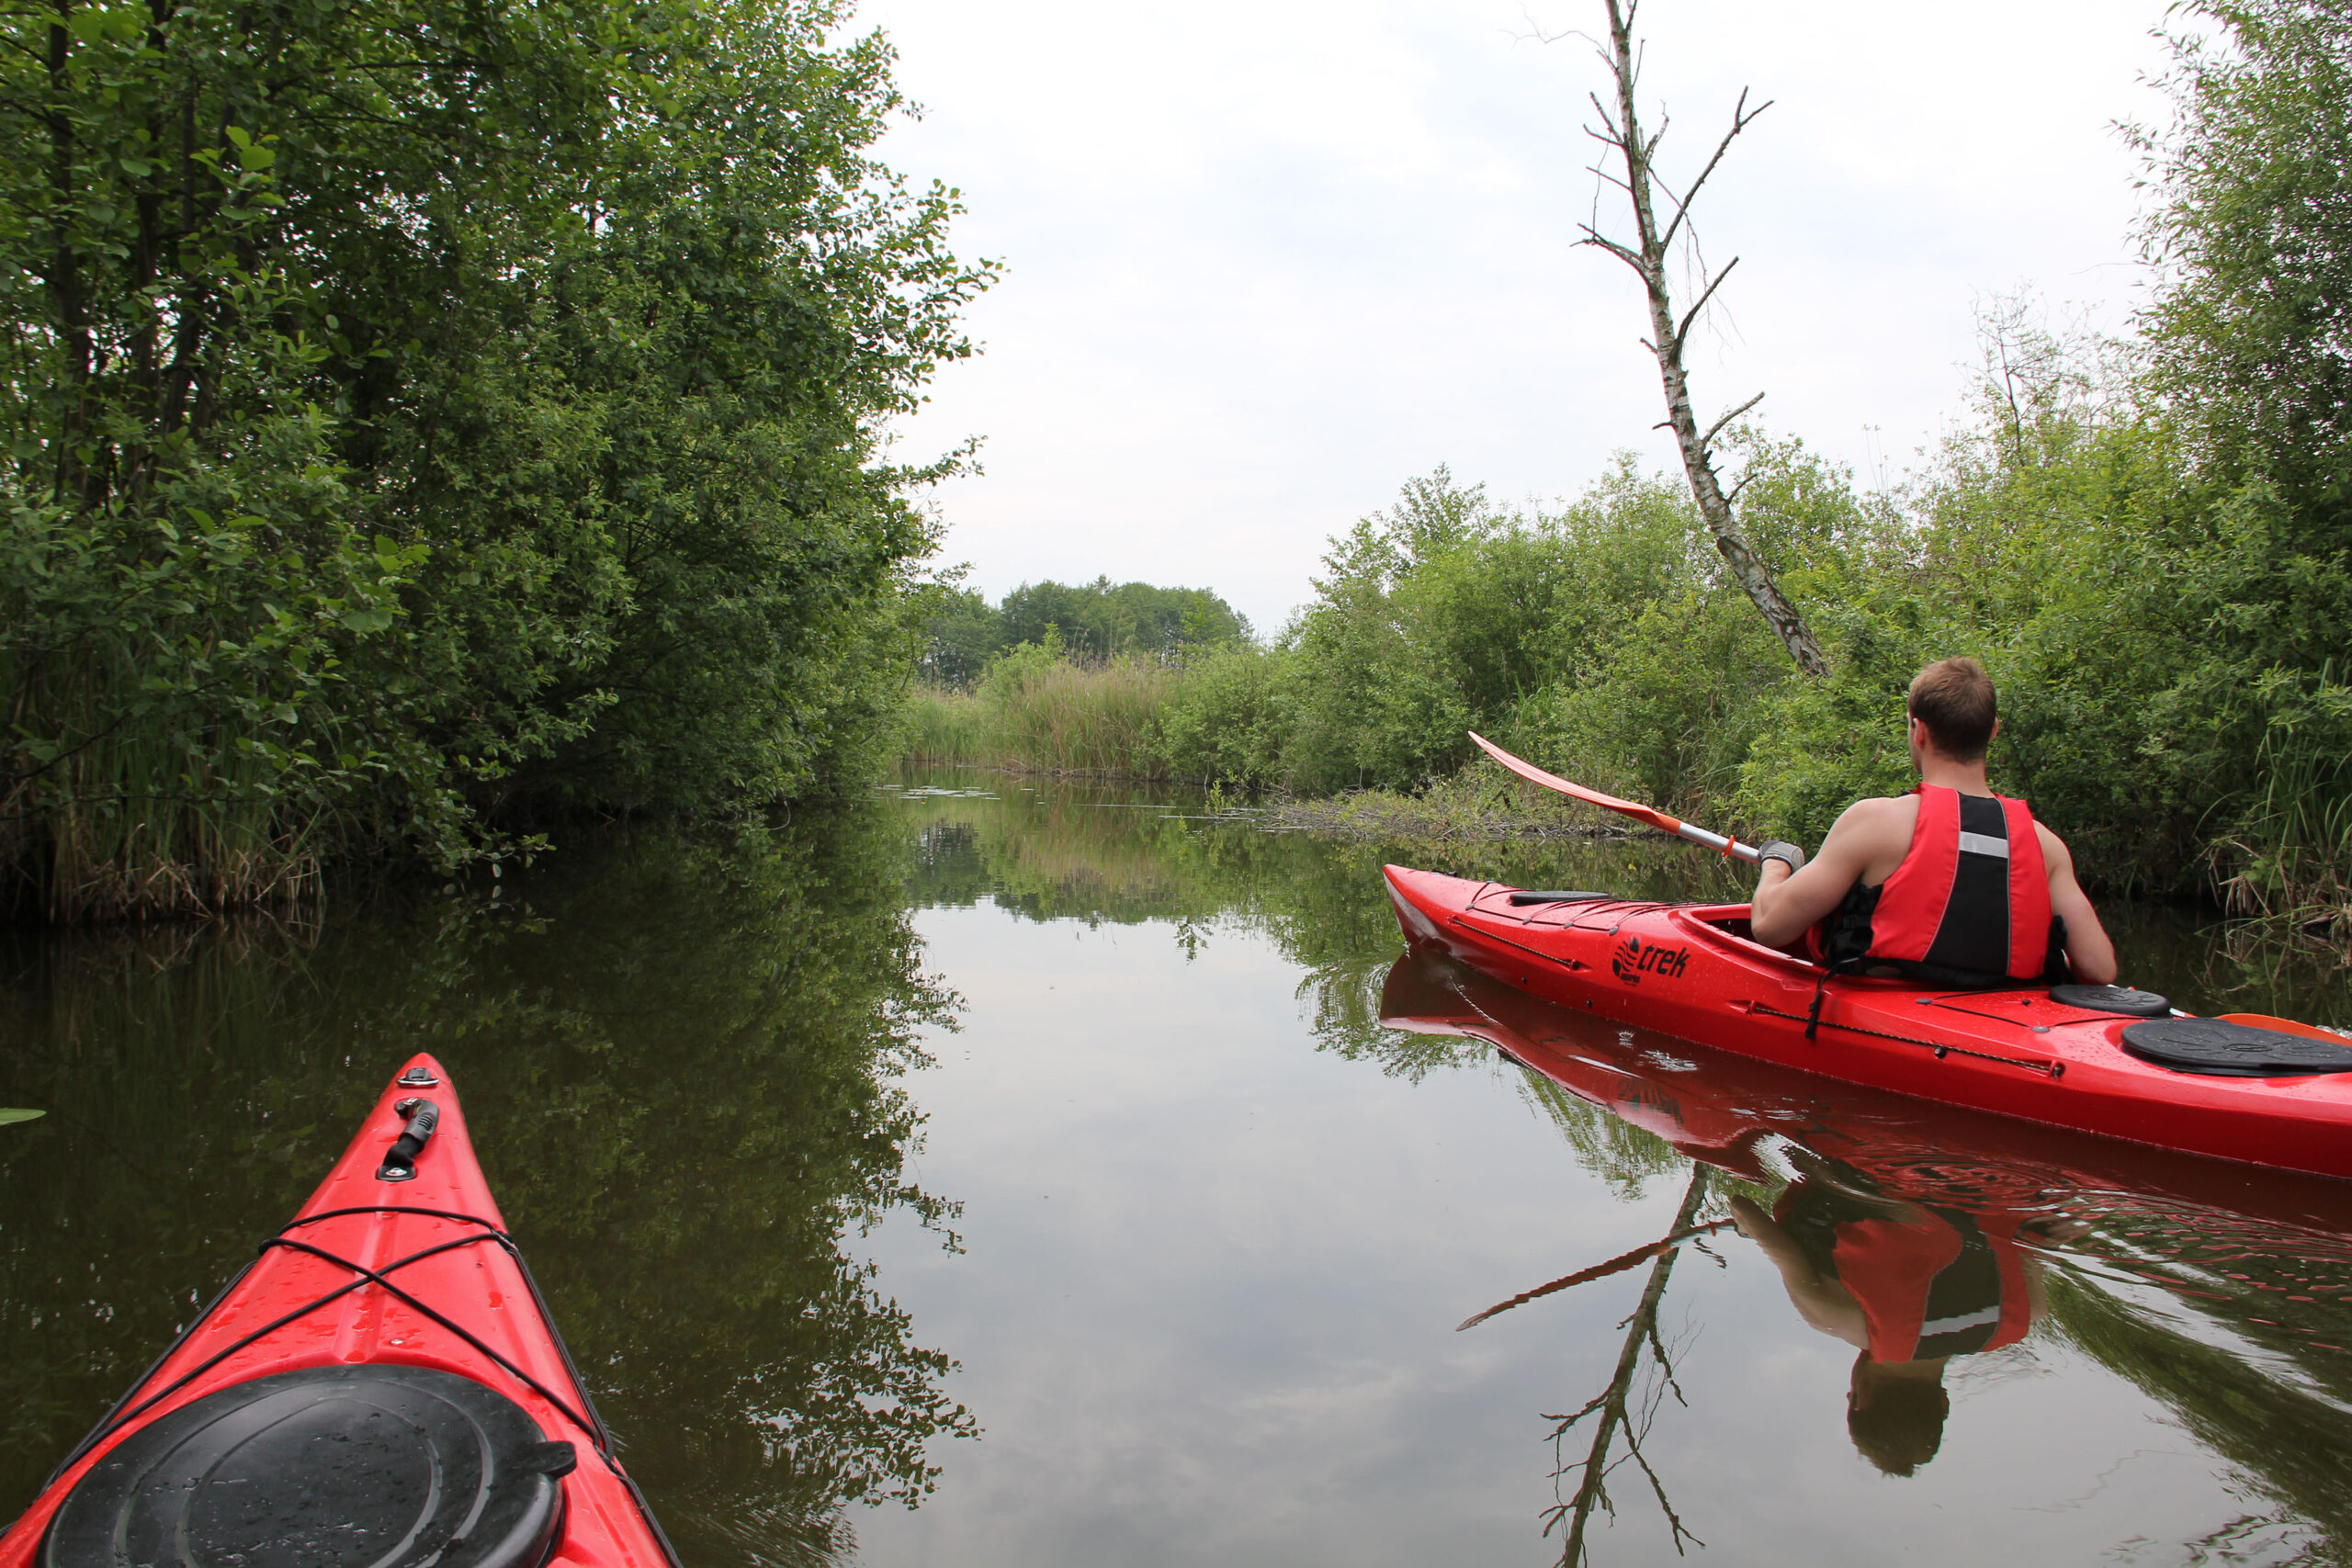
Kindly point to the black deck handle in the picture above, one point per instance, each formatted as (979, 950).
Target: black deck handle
(400, 1160)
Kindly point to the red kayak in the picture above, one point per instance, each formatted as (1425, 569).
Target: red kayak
(382, 1388)
(2101, 1059)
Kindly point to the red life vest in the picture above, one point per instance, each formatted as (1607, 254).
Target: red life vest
(1943, 1284)
(1969, 904)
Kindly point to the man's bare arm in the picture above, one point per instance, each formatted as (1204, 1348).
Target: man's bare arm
(1823, 1304)
(2088, 952)
(1787, 902)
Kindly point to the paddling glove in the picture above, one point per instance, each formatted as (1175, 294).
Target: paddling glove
(1787, 855)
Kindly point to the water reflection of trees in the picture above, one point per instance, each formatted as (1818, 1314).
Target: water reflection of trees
(2241, 1330)
(679, 1061)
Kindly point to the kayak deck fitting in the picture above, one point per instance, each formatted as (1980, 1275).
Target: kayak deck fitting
(2265, 1095)
(383, 1387)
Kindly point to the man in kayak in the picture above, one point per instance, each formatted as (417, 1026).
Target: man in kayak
(1951, 883)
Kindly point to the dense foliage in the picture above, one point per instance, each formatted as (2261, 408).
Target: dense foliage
(423, 413)
(1095, 620)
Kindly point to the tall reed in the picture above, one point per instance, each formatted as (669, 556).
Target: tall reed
(1038, 709)
(1053, 714)
(2289, 859)
(943, 725)
(134, 817)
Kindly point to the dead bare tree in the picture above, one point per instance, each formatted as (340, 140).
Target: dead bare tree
(1621, 130)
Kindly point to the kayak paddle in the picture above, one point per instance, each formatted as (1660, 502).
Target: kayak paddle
(1650, 815)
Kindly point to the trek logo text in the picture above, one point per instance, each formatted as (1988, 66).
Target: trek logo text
(1631, 961)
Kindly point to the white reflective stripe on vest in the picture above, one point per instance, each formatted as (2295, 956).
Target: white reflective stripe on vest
(1980, 844)
(1982, 1317)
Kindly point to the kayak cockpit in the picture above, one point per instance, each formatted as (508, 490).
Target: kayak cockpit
(1725, 926)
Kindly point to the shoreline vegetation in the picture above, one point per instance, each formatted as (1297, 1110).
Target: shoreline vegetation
(2179, 719)
(329, 540)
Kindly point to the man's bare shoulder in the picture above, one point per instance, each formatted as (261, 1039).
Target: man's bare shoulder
(1883, 808)
(1879, 815)
(1870, 838)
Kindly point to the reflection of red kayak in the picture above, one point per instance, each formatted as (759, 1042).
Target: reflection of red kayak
(383, 1387)
(1721, 1109)
(1691, 971)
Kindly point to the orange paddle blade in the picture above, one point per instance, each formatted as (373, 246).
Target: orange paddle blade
(1535, 774)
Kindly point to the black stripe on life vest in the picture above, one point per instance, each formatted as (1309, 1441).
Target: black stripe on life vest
(1974, 931)
(1964, 1307)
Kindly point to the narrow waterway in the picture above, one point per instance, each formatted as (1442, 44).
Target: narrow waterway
(1005, 1172)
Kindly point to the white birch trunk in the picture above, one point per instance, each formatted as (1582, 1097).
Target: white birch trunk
(1648, 258)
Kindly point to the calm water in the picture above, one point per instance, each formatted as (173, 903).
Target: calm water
(1039, 1176)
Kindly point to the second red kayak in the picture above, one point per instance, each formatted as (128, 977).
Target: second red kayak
(2099, 1059)
(382, 1388)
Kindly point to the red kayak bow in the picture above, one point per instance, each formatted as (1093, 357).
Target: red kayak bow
(382, 1386)
(1650, 814)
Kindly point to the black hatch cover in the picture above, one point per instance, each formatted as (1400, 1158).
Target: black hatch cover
(328, 1467)
(2231, 1050)
(2112, 999)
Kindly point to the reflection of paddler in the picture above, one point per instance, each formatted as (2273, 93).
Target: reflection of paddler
(1908, 1285)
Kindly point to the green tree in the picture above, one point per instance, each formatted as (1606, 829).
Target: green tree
(2252, 330)
(420, 413)
(964, 632)
(1102, 620)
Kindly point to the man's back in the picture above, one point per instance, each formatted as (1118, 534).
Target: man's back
(1869, 841)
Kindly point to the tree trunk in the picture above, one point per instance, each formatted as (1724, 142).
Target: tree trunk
(1648, 258)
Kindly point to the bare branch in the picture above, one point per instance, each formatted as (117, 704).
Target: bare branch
(1615, 137)
(1607, 178)
(1625, 253)
(1689, 318)
(1741, 117)
(1707, 441)
(1658, 1489)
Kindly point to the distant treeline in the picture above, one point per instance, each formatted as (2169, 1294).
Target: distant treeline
(1092, 621)
(426, 418)
(2148, 539)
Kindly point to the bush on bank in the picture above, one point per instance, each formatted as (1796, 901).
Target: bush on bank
(425, 417)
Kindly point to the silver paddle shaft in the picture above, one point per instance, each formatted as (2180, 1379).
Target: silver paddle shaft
(1717, 842)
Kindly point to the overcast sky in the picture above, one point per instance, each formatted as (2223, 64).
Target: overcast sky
(1267, 261)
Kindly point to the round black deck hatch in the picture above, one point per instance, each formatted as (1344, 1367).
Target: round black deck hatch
(2112, 999)
(2231, 1050)
(328, 1467)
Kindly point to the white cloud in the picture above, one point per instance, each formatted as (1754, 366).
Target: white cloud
(1268, 261)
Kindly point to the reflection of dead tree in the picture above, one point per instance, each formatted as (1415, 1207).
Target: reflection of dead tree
(1618, 1413)
(1616, 1265)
